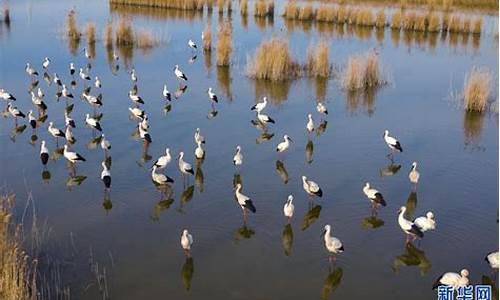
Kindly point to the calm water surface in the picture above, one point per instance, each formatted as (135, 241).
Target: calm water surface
(134, 231)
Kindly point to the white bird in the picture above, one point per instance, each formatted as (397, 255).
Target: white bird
(392, 143)
(30, 70)
(238, 157)
(44, 153)
(244, 201)
(310, 123)
(373, 195)
(92, 122)
(57, 80)
(135, 98)
(289, 208)
(184, 167)
(311, 187)
(98, 83)
(93, 100)
(144, 134)
(264, 118)
(259, 107)
(179, 74)
(115, 56)
(186, 241)
(283, 146)
(407, 226)
(414, 174)
(133, 75)
(163, 160)
(332, 244)
(15, 112)
(106, 175)
(46, 63)
(71, 156)
(492, 259)
(38, 102)
(160, 178)
(31, 119)
(68, 121)
(71, 68)
(40, 93)
(453, 279)
(65, 92)
(212, 95)
(55, 132)
(6, 95)
(192, 45)
(321, 108)
(87, 53)
(144, 123)
(105, 143)
(137, 112)
(68, 135)
(198, 137)
(199, 153)
(166, 93)
(426, 223)
(84, 75)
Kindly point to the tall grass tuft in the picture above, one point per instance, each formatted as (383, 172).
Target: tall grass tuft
(220, 6)
(72, 31)
(291, 11)
(124, 33)
(397, 20)
(272, 61)
(224, 45)
(145, 40)
(477, 89)
(306, 13)
(434, 23)
(380, 19)
(90, 33)
(318, 60)
(362, 72)
(244, 7)
(476, 27)
(455, 25)
(175, 4)
(264, 8)
(108, 36)
(207, 39)
(325, 13)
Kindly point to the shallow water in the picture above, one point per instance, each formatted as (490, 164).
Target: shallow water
(134, 233)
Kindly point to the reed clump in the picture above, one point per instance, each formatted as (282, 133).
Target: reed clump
(434, 23)
(244, 7)
(318, 60)
(224, 45)
(273, 61)
(325, 13)
(124, 35)
(145, 40)
(380, 19)
(176, 4)
(476, 27)
(220, 6)
(207, 39)
(397, 20)
(477, 89)
(306, 13)
(72, 31)
(264, 8)
(291, 10)
(362, 72)
(455, 25)
(108, 36)
(90, 32)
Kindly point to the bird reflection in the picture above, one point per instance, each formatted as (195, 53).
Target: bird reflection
(372, 222)
(42, 118)
(321, 127)
(75, 180)
(145, 157)
(389, 170)
(17, 131)
(192, 59)
(94, 143)
(46, 176)
(33, 139)
(280, 168)
(32, 86)
(160, 207)
(237, 180)
(412, 256)
(106, 203)
(187, 272)
(167, 109)
(212, 114)
(411, 205)
(264, 137)
(309, 151)
(311, 217)
(331, 283)
(56, 154)
(287, 239)
(186, 196)
(199, 178)
(47, 78)
(244, 232)
(180, 91)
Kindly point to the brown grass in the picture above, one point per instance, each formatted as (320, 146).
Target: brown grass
(362, 72)
(477, 25)
(264, 8)
(90, 33)
(176, 4)
(477, 89)
(273, 61)
(409, 20)
(224, 45)
(124, 35)
(466, 25)
(207, 39)
(380, 19)
(291, 11)
(145, 40)
(72, 31)
(455, 24)
(108, 36)
(306, 13)
(434, 23)
(318, 61)
(445, 22)
(244, 7)
(220, 6)
(325, 13)
(397, 20)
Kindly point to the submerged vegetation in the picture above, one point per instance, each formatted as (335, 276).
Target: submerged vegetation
(477, 89)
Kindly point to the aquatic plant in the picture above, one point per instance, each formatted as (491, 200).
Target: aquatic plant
(145, 40)
(224, 44)
(108, 35)
(207, 39)
(90, 32)
(124, 34)
(362, 72)
(244, 7)
(264, 8)
(325, 13)
(477, 89)
(318, 61)
(273, 61)
(177, 4)
(72, 31)
(397, 20)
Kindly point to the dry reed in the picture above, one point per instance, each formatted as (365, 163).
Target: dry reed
(72, 31)
(306, 13)
(108, 36)
(224, 45)
(264, 8)
(124, 35)
(244, 7)
(477, 89)
(380, 19)
(455, 25)
(272, 61)
(397, 20)
(434, 23)
(207, 39)
(291, 11)
(90, 33)
(476, 27)
(145, 40)
(318, 61)
(362, 72)
(220, 6)
(176, 4)
(325, 14)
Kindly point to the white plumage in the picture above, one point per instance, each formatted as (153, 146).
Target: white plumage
(135, 98)
(184, 167)
(192, 45)
(373, 195)
(92, 122)
(310, 123)
(426, 223)
(238, 157)
(160, 178)
(71, 156)
(186, 240)
(105, 143)
(407, 226)
(55, 132)
(289, 208)
(179, 74)
(163, 160)
(414, 174)
(332, 244)
(492, 259)
(321, 108)
(391, 142)
(453, 279)
(259, 107)
(198, 137)
(97, 82)
(46, 63)
(283, 146)
(166, 93)
(137, 112)
(311, 187)
(6, 95)
(199, 153)
(244, 201)
(264, 118)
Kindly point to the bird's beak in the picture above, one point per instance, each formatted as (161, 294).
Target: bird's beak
(323, 234)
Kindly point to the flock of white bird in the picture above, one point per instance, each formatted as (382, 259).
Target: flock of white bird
(412, 228)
